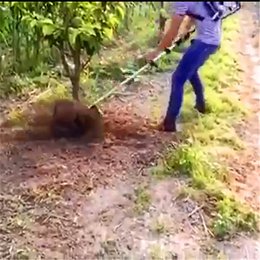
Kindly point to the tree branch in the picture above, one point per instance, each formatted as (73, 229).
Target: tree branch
(76, 56)
(86, 63)
(64, 61)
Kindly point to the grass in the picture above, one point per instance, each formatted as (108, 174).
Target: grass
(142, 201)
(24, 253)
(207, 178)
(158, 252)
(162, 224)
(209, 182)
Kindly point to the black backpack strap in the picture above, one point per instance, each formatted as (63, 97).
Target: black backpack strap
(214, 9)
(232, 10)
(195, 16)
(220, 10)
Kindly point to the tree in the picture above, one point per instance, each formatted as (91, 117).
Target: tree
(78, 30)
(162, 20)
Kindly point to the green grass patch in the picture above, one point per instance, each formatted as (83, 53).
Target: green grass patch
(190, 160)
(162, 224)
(233, 216)
(57, 91)
(16, 118)
(142, 200)
(208, 179)
(158, 252)
(209, 182)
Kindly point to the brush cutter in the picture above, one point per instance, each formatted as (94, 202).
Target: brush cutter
(177, 42)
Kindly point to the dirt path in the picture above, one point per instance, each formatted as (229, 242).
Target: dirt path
(247, 164)
(62, 200)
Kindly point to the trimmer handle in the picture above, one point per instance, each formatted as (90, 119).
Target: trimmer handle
(153, 64)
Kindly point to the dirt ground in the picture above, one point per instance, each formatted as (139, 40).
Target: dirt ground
(71, 200)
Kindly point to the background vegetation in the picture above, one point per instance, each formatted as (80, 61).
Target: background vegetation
(74, 46)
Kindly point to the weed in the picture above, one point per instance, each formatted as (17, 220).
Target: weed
(142, 201)
(209, 179)
(25, 253)
(233, 215)
(157, 252)
(16, 118)
(159, 171)
(192, 161)
(109, 249)
(162, 224)
(57, 91)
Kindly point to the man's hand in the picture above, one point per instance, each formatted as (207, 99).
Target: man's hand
(151, 55)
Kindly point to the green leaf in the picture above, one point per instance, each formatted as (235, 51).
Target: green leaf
(163, 12)
(98, 26)
(26, 18)
(33, 23)
(108, 33)
(73, 33)
(76, 22)
(48, 29)
(3, 8)
(113, 21)
(121, 12)
(88, 29)
(46, 21)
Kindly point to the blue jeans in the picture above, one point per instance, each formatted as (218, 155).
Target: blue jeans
(187, 69)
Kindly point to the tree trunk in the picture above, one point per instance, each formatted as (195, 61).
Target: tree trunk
(75, 88)
(15, 39)
(28, 50)
(77, 70)
(162, 21)
(37, 39)
(126, 22)
(37, 46)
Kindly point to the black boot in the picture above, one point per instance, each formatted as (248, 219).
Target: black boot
(168, 125)
(200, 108)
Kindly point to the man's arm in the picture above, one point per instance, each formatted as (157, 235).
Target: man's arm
(179, 12)
(190, 23)
(171, 33)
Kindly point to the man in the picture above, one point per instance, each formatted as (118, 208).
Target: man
(205, 44)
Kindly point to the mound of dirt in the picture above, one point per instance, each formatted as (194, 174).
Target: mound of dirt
(118, 122)
(122, 122)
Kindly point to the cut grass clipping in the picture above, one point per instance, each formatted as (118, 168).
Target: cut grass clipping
(194, 158)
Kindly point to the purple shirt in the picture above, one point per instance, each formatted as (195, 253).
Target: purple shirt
(208, 31)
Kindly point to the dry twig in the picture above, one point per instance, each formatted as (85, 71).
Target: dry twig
(118, 226)
(195, 210)
(204, 225)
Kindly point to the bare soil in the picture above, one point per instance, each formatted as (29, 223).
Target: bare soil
(246, 165)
